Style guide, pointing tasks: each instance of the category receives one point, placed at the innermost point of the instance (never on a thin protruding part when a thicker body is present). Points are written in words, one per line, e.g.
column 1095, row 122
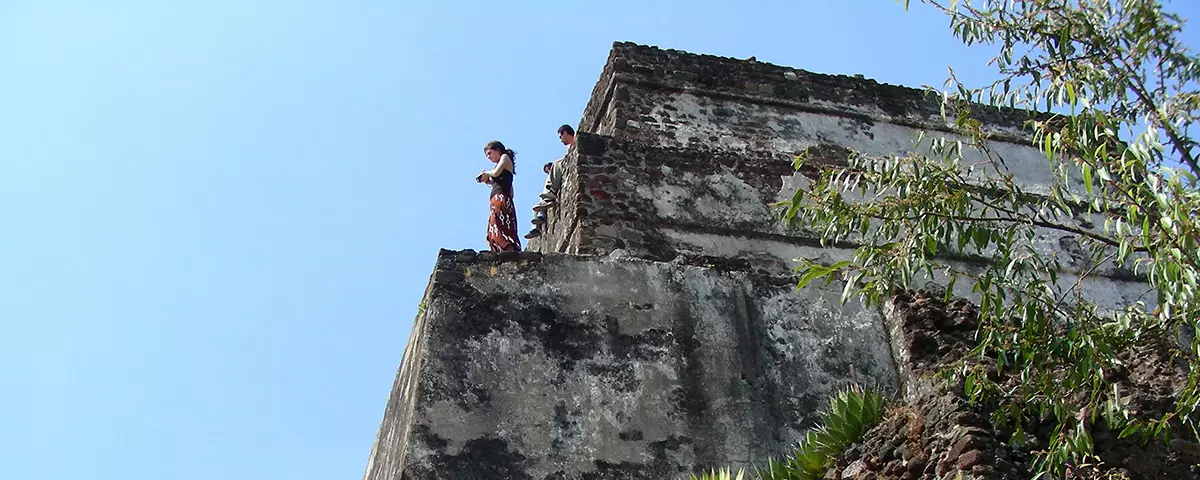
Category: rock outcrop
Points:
column 932, row 432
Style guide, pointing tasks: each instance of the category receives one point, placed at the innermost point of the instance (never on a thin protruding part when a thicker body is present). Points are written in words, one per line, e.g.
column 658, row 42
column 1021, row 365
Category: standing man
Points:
column 549, row 195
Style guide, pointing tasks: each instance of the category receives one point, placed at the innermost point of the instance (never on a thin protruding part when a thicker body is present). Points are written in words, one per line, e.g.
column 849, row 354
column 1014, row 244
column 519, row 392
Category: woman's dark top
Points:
column 503, row 183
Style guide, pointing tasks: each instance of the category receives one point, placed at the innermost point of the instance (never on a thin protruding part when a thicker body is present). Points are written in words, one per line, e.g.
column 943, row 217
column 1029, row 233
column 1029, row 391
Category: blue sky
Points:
column 217, row 218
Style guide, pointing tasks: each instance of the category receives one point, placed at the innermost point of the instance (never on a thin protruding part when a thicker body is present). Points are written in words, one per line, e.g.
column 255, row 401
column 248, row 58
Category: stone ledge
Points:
column 453, row 266
column 451, row 259
column 763, row 81
column 918, row 123
column 593, row 145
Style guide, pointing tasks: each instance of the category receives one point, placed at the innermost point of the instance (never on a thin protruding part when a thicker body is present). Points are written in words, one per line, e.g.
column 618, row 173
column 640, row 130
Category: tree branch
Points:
column 1032, row 221
column 1185, row 153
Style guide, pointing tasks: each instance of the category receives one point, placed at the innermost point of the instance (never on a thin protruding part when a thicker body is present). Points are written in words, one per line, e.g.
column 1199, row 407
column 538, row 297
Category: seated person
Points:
column 549, row 195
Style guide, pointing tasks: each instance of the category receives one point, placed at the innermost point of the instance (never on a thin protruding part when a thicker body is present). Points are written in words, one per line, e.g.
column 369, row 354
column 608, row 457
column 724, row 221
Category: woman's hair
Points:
column 499, row 147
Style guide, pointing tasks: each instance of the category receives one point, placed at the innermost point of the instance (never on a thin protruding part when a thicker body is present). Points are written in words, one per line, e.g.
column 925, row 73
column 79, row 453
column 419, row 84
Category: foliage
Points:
column 1111, row 94
column 849, row 416
column 851, row 413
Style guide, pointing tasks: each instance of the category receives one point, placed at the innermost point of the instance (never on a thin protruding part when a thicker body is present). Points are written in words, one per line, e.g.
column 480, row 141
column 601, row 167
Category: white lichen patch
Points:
column 716, row 199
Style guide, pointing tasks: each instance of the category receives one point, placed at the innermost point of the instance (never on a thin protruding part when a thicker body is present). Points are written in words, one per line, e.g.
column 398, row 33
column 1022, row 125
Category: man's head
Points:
column 566, row 134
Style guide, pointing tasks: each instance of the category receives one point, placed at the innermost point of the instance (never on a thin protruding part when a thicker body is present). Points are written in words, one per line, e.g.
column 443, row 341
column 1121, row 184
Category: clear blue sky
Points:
column 217, row 218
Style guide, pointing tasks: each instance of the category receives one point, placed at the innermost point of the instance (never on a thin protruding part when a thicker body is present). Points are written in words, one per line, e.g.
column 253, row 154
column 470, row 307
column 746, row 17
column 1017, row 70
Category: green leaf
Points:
column 840, row 265
column 809, row 275
column 981, row 238
column 1086, row 169
column 847, row 291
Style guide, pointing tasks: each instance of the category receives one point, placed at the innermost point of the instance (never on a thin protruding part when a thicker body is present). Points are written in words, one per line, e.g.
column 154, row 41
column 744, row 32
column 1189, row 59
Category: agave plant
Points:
column 850, row 414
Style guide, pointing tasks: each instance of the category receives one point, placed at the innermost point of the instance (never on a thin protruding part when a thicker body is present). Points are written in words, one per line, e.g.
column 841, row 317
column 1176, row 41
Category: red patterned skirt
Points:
column 502, row 225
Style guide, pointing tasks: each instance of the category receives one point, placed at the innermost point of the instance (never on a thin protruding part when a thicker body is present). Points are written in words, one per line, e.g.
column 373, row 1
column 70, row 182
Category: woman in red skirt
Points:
column 502, row 221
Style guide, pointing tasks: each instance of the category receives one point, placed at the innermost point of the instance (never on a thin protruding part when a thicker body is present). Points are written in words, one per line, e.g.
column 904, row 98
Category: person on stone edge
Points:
column 549, row 195
column 502, row 218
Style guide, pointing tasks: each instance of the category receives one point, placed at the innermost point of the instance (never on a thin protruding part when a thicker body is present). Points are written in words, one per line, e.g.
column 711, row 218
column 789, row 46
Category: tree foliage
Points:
column 1111, row 96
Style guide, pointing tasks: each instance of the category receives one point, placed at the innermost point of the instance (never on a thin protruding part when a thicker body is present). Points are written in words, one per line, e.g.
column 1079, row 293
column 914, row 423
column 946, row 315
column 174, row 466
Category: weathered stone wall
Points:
column 694, row 148
column 665, row 203
column 632, row 68
column 679, row 99
column 650, row 201
column 688, row 120
column 572, row 367
column 701, row 145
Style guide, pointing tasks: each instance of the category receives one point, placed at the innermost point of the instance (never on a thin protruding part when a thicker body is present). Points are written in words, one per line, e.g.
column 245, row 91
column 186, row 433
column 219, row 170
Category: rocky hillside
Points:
column 935, row 433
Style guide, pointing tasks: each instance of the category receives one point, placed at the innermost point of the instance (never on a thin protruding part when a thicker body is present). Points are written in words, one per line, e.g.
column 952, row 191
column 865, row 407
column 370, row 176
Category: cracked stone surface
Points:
column 590, row 367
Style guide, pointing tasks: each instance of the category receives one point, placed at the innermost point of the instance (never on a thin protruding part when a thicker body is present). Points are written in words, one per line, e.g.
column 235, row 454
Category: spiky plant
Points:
column 851, row 413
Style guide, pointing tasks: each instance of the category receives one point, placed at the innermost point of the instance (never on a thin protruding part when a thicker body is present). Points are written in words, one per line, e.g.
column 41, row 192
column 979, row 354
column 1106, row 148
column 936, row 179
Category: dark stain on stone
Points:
column 446, row 377
column 507, row 256
column 691, row 397
column 566, row 425
column 447, row 382
column 568, row 338
column 755, row 360
column 652, row 344
column 620, row 374
column 446, row 259
column 565, row 338
column 631, row 435
column 480, row 313
column 482, row 397
column 480, row 459
column 447, row 277
column 430, row 439
column 628, row 471
column 1076, row 255
column 827, row 154
column 562, row 419
column 661, row 466
column 672, row 443
column 590, row 145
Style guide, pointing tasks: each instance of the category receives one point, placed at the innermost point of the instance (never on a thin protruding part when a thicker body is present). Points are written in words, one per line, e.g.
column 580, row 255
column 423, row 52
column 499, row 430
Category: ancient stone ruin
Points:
column 655, row 330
